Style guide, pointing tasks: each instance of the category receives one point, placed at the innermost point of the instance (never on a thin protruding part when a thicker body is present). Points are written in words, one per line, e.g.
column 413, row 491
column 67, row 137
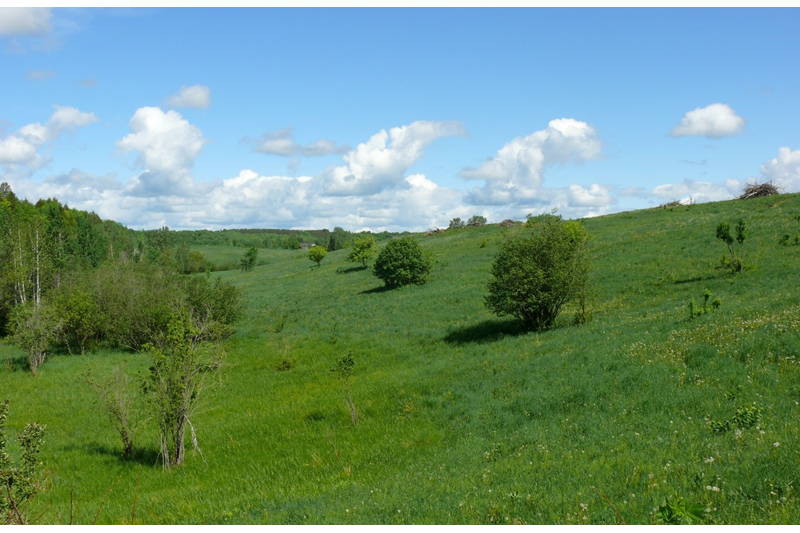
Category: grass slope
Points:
column 465, row 418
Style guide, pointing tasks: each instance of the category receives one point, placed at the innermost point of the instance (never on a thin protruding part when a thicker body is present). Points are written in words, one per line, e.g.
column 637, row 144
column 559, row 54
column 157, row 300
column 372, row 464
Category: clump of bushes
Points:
column 402, row 262
column 708, row 305
column 122, row 304
column 538, row 269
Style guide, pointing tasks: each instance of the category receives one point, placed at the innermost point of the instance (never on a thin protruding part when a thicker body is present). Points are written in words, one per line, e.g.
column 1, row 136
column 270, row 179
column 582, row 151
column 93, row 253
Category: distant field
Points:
column 464, row 417
column 228, row 257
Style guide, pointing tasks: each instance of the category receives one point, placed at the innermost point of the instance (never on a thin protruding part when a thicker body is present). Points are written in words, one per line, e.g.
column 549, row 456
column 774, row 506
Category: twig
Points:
column 100, row 509
column 612, row 505
column 136, row 495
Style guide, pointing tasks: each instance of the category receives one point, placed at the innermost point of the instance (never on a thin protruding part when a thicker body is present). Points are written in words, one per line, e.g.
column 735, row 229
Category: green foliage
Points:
column 339, row 239
column 362, row 249
column 402, row 262
column 18, row 484
column 248, row 261
column 344, row 370
column 456, row 223
column 538, row 269
column 745, row 417
column 317, row 254
column 33, row 329
column 708, row 305
column 724, row 234
column 476, row 220
column 80, row 319
column 677, row 511
column 179, row 375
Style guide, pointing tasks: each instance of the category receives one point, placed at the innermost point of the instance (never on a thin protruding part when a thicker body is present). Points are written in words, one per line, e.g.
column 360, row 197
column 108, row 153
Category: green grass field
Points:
column 464, row 417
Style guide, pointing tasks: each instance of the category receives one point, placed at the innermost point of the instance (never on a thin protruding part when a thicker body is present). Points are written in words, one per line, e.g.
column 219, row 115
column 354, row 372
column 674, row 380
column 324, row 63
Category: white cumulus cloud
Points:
column 166, row 146
column 197, row 96
column 594, row 196
column 784, row 170
column 383, row 160
column 24, row 21
column 514, row 176
column 20, row 152
column 523, row 160
column 715, row 121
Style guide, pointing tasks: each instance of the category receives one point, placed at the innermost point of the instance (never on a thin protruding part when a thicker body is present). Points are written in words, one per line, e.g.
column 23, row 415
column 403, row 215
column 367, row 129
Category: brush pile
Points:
column 758, row 190
column 506, row 223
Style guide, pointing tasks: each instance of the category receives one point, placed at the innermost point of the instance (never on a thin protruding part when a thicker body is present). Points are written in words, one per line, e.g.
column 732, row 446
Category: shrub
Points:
column 19, row 484
column 476, row 220
column 362, row 250
column 538, row 269
column 178, row 377
column 402, row 262
column 80, row 317
column 33, row 328
column 317, row 254
column 248, row 260
column 724, row 234
column 456, row 223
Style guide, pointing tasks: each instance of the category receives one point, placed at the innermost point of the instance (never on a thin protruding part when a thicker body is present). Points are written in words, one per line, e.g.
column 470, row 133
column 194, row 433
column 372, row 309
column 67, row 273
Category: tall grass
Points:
column 464, row 417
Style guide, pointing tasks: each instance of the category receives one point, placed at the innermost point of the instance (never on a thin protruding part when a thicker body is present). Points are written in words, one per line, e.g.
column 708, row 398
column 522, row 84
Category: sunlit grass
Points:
column 464, row 417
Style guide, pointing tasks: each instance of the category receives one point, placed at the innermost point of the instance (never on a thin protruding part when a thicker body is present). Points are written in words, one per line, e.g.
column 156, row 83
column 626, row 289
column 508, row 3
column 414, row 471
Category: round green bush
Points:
column 402, row 262
column 538, row 269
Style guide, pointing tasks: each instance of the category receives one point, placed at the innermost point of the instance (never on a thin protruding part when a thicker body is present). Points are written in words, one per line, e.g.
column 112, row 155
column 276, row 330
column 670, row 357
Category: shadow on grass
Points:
column 486, row 331
column 350, row 270
column 696, row 279
column 141, row 456
column 14, row 364
column 376, row 290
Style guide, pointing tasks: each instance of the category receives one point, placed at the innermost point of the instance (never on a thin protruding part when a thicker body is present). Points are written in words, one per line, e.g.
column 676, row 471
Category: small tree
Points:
column 317, row 254
column 344, row 369
column 248, row 261
column 80, row 318
column 119, row 398
column 178, row 377
column 18, row 484
column 362, row 250
column 402, row 262
column 33, row 328
column 456, row 223
column 724, row 234
column 476, row 220
column 538, row 269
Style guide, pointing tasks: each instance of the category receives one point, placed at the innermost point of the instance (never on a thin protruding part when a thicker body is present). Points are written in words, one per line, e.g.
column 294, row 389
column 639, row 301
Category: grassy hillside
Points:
column 465, row 418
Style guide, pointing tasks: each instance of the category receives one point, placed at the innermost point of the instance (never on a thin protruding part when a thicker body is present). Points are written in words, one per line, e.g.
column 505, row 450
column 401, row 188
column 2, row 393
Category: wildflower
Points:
column 712, row 488
column 710, row 460
column 776, row 444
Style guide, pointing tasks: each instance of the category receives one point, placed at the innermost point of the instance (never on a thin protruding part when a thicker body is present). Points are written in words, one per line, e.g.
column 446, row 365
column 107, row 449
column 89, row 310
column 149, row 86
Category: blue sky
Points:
column 393, row 118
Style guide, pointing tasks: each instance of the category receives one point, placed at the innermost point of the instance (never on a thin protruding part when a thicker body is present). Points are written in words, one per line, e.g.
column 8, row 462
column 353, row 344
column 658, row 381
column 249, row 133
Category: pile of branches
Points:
column 674, row 203
column 758, row 190
column 506, row 223
column 436, row 231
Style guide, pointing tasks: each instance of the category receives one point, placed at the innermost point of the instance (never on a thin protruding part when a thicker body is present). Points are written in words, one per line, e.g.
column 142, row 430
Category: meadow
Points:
column 465, row 417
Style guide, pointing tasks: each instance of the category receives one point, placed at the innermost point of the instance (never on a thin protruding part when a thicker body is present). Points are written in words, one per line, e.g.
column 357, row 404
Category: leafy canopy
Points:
column 538, row 269
column 402, row 262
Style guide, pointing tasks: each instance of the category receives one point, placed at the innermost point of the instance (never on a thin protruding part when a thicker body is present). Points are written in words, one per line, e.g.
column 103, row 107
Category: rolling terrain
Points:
column 464, row 417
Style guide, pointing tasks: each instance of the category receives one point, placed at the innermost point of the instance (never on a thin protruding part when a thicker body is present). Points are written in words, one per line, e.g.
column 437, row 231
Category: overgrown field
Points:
column 464, row 418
